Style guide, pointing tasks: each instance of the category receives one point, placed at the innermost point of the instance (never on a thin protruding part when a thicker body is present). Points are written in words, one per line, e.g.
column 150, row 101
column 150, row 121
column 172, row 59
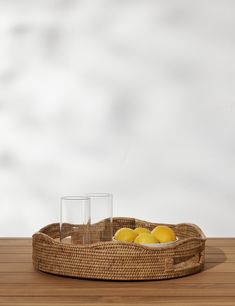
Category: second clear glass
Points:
column 101, row 205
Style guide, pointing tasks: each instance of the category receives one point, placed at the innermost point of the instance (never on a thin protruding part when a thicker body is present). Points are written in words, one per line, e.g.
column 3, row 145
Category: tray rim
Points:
column 178, row 242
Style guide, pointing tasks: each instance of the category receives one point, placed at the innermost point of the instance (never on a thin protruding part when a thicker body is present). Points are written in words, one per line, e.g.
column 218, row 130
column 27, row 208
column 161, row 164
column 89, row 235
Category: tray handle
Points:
column 193, row 262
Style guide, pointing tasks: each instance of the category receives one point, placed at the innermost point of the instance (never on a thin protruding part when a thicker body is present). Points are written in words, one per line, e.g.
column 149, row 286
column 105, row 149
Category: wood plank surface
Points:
column 21, row 284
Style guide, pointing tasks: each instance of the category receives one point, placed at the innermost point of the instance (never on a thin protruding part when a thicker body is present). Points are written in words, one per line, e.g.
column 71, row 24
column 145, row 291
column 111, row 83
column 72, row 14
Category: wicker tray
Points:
column 119, row 260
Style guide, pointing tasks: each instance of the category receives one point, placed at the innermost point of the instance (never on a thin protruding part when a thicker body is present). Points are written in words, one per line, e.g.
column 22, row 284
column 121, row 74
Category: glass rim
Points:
column 99, row 195
column 79, row 198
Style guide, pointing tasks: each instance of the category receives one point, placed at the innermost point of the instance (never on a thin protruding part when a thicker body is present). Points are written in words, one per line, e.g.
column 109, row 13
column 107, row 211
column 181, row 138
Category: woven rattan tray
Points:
column 119, row 260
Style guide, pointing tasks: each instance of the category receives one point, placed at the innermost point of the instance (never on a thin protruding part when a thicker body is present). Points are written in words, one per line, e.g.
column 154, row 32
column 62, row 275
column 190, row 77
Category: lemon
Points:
column 146, row 238
column 163, row 233
column 141, row 230
column 125, row 234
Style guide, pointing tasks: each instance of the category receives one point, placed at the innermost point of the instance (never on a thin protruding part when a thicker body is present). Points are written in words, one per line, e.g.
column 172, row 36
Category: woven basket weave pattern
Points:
column 119, row 260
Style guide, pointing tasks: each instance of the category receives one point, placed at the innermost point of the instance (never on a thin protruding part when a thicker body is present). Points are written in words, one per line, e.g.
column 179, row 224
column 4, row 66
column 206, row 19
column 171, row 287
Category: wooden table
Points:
column 20, row 284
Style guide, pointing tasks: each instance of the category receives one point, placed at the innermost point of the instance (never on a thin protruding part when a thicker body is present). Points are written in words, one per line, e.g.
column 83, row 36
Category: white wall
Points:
column 130, row 97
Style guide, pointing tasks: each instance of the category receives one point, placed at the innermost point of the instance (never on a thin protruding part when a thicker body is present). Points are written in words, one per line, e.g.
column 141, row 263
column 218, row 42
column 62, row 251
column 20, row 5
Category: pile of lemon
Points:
column 160, row 234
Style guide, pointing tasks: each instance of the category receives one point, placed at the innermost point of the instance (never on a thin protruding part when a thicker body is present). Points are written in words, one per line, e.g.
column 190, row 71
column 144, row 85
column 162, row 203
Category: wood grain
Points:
column 20, row 284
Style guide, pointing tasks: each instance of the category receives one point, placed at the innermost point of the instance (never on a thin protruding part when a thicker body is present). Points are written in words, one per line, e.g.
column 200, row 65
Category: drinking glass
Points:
column 101, row 205
column 75, row 219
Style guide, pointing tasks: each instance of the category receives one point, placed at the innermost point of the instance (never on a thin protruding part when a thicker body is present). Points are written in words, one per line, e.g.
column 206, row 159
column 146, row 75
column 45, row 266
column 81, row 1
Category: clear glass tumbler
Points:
column 101, row 217
column 75, row 219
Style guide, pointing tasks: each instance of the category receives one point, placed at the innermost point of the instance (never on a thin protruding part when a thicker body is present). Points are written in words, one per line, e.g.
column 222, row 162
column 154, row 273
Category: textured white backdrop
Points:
column 131, row 97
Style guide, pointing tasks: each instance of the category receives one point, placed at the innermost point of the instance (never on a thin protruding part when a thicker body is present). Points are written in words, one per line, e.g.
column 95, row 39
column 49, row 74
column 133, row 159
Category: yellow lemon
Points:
column 146, row 238
column 141, row 230
column 163, row 233
column 125, row 234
